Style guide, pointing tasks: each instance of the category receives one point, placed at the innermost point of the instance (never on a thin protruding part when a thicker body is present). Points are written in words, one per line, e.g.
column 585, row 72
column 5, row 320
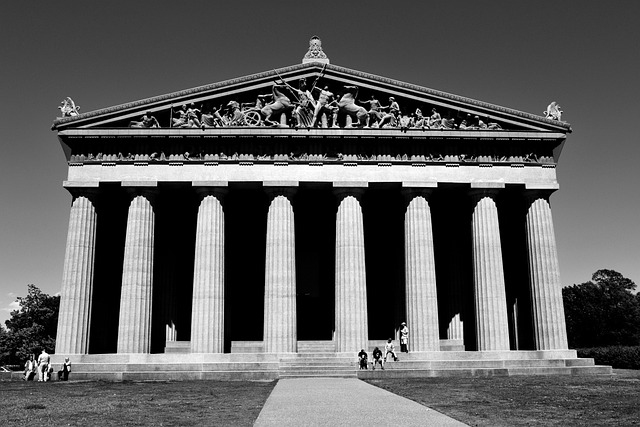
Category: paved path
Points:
column 343, row 401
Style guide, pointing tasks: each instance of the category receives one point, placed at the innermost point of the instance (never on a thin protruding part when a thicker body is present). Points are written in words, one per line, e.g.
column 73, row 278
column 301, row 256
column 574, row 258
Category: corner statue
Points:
column 553, row 112
column 68, row 108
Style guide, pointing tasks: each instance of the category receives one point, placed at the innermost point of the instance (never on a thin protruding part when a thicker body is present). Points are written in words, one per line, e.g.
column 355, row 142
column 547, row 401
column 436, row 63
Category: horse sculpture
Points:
column 280, row 104
column 347, row 104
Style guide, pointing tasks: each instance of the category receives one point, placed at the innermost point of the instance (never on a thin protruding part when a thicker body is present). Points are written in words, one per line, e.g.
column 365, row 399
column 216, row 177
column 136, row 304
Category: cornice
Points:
column 319, row 66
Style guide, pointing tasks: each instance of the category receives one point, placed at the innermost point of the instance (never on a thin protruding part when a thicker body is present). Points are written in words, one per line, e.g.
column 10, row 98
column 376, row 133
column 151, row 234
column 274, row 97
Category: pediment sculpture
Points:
column 314, row 105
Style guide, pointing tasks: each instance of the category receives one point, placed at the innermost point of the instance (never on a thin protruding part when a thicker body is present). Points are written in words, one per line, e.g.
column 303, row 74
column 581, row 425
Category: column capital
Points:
column 208, row 190
column 531, row 195
column 275, row 191
column 410, row 193
column 149, row 193
column 341, row 191
column 477, row 194
column 90, row 191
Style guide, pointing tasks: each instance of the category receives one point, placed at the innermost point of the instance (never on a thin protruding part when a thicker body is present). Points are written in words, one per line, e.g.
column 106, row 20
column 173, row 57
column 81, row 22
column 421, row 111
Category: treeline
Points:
column 31, row 329
column 603, row 319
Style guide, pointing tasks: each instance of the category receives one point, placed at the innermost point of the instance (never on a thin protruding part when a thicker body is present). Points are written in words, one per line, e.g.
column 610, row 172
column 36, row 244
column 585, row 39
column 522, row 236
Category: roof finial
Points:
column 315, row 53
column 68, row 108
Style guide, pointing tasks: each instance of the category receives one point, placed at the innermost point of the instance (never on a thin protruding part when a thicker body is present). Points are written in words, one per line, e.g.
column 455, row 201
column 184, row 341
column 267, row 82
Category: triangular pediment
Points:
column 246, row 91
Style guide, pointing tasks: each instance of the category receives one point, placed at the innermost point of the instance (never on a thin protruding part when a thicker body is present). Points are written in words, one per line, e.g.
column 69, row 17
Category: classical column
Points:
column 351, row 326
column 134, row 330
column 549, row 328
column 280, row 328
column 420, row 273
column 207, row 314
column 77, row 277
column 492, row 327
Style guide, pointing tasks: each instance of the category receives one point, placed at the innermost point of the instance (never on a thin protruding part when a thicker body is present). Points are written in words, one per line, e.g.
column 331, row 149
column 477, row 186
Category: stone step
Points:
column 315, row 347
column 319, row 374
column 318, row 368
column 482, row 372
column 318, row 360
column 247, row 347
column 474, row 364
column 307, row 356
column 580, row 362
column 177, row 347
column 176, row 376
column 174, row 367
column 573, row 370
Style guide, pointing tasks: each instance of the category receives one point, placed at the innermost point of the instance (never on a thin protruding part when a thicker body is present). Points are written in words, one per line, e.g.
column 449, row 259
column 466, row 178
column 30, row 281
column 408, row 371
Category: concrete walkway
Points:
column 343, row 401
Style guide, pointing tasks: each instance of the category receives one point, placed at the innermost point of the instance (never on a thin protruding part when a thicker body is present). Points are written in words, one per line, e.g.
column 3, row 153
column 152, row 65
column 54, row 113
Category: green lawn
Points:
column 529, row 400
column 180, row 403
column 494, row 401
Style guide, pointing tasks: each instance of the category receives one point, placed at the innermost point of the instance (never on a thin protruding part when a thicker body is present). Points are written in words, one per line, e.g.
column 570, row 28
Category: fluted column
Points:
column 280, row 328
column 134, row 330
column 420, row 273
column 207, row 314
column 77, row 277
column 492, row 328
column 351, row 282
column 549, row 328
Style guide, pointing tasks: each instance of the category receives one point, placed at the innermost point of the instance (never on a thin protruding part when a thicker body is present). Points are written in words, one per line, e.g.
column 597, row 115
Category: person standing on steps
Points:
column 404, row 338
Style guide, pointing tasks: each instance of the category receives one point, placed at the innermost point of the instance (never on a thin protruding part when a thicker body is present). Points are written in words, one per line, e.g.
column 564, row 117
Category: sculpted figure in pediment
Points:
column 280, row 104
column 347, row 104
column 447, row 124
column 391, row 118
column 192, row 116
column 180, row 121
column 305, row 104
column 375, row 113
column 419, row 121
column 146, row 121
column 435, row 121
column 212, row 118
column 235, row 117
column 325, row 103
column 186, row 117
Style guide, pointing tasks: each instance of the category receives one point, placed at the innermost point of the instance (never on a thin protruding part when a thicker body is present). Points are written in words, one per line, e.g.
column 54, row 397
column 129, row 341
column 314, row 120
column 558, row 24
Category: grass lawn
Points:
column 180, row 403
column 530, row 400
column 494, row 401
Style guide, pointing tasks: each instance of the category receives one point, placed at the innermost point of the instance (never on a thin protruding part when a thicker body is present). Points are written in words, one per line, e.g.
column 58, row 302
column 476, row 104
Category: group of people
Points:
column 389, row 349
column 43, row 368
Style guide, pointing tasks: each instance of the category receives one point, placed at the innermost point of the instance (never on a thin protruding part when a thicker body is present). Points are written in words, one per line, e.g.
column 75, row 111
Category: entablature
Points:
column 348, row 146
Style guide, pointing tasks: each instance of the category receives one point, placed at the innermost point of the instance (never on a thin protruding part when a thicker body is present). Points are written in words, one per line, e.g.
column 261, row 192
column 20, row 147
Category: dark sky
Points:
column 517, row 54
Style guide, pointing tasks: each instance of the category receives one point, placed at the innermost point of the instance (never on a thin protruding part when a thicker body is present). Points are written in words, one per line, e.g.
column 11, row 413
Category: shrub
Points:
column 620, row 357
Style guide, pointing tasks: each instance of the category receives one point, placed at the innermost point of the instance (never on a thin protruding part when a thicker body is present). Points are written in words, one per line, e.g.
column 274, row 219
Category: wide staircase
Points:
column 317, row 359
column 248, row 361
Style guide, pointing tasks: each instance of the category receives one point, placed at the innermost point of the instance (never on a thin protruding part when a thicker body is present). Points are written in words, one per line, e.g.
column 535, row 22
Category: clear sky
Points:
column 522, row 55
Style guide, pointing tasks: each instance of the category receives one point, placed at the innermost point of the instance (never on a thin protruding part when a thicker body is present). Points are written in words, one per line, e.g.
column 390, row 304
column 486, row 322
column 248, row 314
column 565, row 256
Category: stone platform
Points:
column 314, row 363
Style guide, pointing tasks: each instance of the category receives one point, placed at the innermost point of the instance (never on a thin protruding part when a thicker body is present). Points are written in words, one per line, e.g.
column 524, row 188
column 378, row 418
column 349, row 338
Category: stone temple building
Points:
column 275, row 224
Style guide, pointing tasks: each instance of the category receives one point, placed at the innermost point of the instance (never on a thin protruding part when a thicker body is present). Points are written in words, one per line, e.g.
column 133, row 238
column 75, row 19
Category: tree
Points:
column 31, row 328
column 603, row 311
